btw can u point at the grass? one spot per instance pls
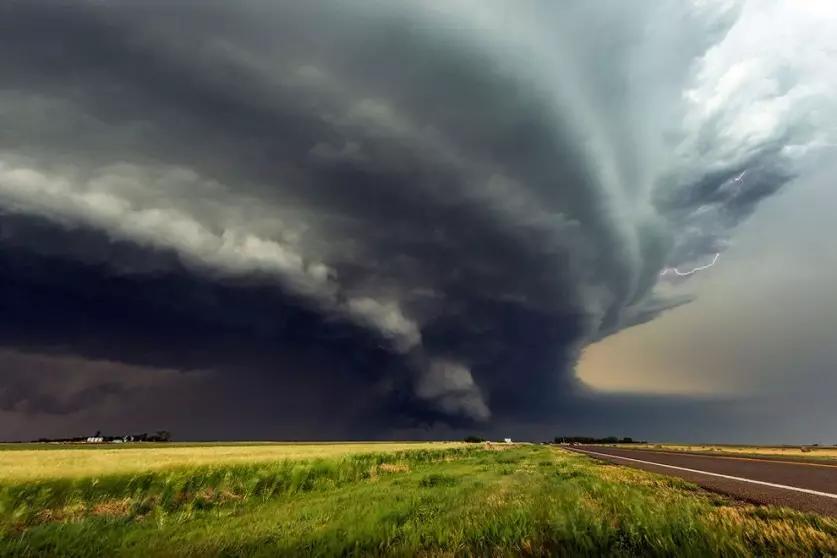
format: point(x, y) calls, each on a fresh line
point(94, 460)
point(46, 446)
point(816, 452)
point(456, 501)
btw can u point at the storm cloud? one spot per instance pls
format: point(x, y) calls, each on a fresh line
point(381, 215)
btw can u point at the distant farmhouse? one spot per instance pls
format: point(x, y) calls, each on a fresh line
point(98, 438)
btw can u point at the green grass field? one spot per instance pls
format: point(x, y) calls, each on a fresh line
point(28, 462)
point(421, 501)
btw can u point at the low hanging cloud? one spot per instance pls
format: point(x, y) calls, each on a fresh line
point(428, 209)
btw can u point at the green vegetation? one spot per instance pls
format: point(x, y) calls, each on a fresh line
point(109, 460)
point(45, 446)
point(472, 500)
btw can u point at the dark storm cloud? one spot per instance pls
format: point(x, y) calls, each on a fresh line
point(164, 317)
point(20, 399)
point(411, 222)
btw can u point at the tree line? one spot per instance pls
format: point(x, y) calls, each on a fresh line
point(591, 440)
point(158, 436)
point(573, 440)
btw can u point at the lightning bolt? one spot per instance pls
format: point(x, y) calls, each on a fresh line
point(684, 273)
point(738, 180)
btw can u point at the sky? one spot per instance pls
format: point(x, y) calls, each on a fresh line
point(418, 219)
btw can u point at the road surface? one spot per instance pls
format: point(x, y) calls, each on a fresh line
point(805, 486)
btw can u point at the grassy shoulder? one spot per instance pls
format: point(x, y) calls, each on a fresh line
point(527, 500)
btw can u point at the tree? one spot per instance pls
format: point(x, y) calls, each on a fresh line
point(474, 439)
point(163, 435)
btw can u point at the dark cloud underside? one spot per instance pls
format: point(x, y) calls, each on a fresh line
point(380, 217)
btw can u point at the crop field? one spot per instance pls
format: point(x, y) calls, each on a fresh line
point(30, 462)
point(811, 452)
point(380, 500)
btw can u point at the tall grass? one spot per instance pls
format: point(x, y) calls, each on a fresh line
point(187, 489)
point(524, 501)
point(93, 460)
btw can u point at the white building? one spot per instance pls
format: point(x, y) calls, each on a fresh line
point(508, 440)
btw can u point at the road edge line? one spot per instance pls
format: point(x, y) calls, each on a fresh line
point(719, 475)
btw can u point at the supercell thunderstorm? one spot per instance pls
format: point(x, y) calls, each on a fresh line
point(400, 212)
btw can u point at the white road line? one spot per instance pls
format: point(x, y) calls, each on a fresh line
point(740, 479)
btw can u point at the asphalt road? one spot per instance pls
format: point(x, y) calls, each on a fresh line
point(810, 487)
